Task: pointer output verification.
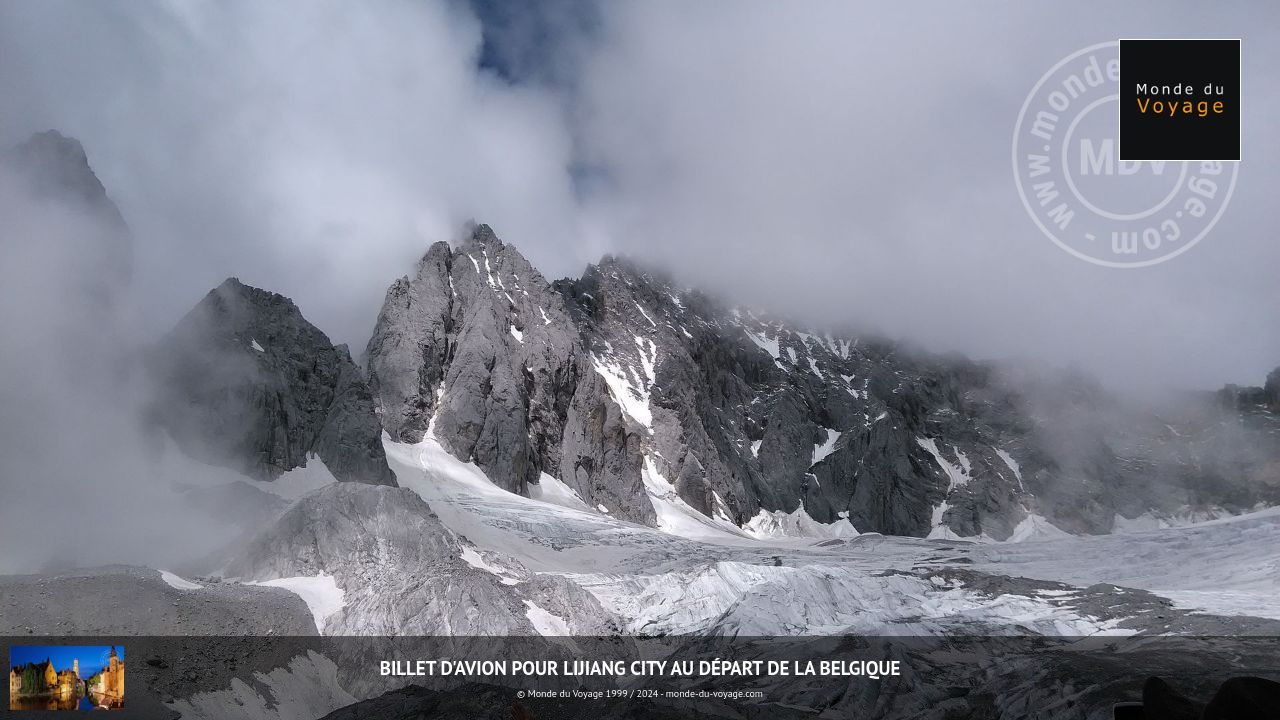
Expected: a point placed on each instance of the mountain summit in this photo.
(51, 175)
(658, 405)
(245, 381)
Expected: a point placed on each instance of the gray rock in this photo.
(403, 572)
(479, 347)
(603, 453)
(621, 370)
(244, 381)
(408, 351)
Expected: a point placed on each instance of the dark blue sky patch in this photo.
(92, 657)
(532, 42)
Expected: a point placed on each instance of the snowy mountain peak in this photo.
(642, 397)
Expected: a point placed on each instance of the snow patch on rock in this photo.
(957, 476)
(176, 582)
(321, 594)
(798, 523)
(826, 447)
(677, 517)
(646, 315)
(551, 490)
(1013, 465)
(632, 397)
(300, 480)
(547, 624)
(1036, 528)
(768, 345)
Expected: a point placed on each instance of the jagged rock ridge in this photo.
(644, 397)
(479, 348)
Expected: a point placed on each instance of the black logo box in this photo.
(1187, 67)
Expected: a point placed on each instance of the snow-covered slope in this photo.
(504, 563)
(377, 561)
(1229, 566)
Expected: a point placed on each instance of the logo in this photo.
(1180, 99)
(1107, 211)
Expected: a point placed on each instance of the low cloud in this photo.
(838, 163)
(850, 163)
(315, 149)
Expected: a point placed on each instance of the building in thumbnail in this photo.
(111, 679)
(69, 679)
(57, 679)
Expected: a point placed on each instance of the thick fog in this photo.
(840, 163)
(81, 482)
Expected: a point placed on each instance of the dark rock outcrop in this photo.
(1252, 398)
(244, 381)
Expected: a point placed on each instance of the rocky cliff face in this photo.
(478, 348)
(246, 382)
(741, 415)
(648, 399)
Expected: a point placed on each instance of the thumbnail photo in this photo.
(66, 677)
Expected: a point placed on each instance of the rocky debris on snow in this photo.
(134, 601)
